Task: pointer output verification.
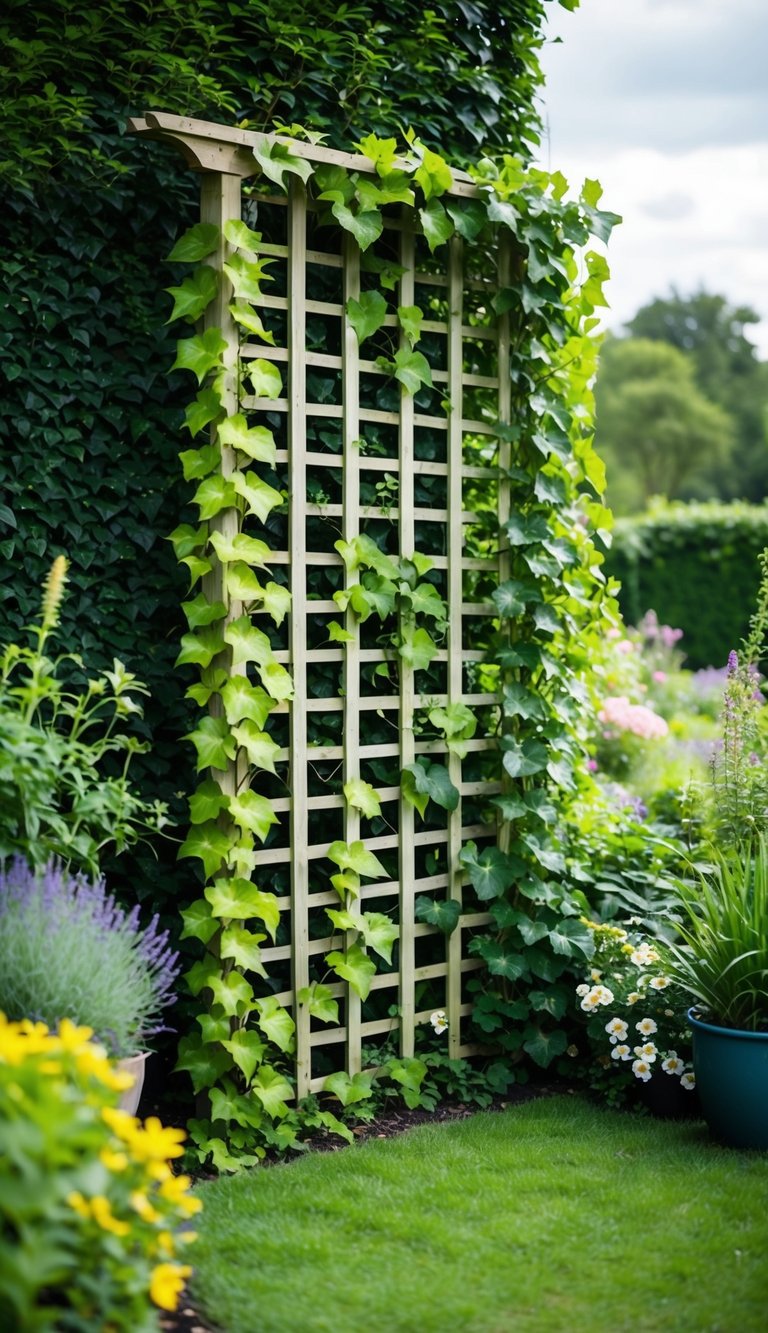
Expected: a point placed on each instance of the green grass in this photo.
(552, 1217)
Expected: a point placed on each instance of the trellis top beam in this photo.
(229, 150)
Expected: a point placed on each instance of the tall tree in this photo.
(727, 370)
(657, 432)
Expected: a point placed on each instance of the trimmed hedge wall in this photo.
(696, 566)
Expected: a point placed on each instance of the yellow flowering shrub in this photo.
(92, 1219)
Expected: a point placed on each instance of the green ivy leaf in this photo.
(242, 700)
(276, 601)
(208, 842)
(206, 407)
(433, 174)
(423, 781)
(253, 812)
(349, 1090)
(512, 597)
(248, 643)
(491, 872)
(242, 946)
(196, 244)
(246, 317)
(199, 649)
(410, 368)
(262, 751)
(202, 612)
(570, 936)
(342, 919)
(241, 547)
(277, 161)
(355, 967)
(246, 275)
(337, 633)
(213, 742)
(410, 318)
(379, 933)
(200, 354)
(272, 1089)
(232, 992)
(207, 802)
(436, 224)
(469, 216)
(363, 797)
(276, 681)
(544, 1047)
(417, 648)
(213, 495)
(239, 234)
(197, 463)
(255, 441)
(517, 701)
(365, 226)
(265, 378)
(276, 1023)
(194, 295)
(445, 915)
(260, 498)
(552, 1001)
(320, 1002)
(247, 1050)
(524, 758)
(198, 922)
(525, 529)
(241, 582)
(366, 315)
(355, 856)
(204, 1064)
(499, 958)
(237, 899)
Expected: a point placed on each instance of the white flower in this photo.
(669, 1013)
(621, 1053)
(597, 995)
(617, 1029)
(583, 989)
(439, 1021)
(673, 1064)
(643, 955)
(646, 1026)
(595, 975)
(688, 1081)
(659, 983)
(634, 997)
(647, 1052)
(642, 1070)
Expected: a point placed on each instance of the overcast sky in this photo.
(666, 103)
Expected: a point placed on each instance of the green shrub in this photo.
(89, 1207)
(696, 566)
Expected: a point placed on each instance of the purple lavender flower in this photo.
(733, 662)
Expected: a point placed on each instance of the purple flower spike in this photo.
(733, 662)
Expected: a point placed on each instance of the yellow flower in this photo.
(79, 1204)
(155, 1141)
(167, 1283)
(94, 1062)
(72, 1037)
(113, 1161)
(120, 1122)
(166, 1244)
(140, 1204)
(174, 1189)
(102, 1213)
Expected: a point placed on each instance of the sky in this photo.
(665, 102)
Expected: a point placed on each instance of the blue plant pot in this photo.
(731, 1068)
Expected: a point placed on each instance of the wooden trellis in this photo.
(225, 158)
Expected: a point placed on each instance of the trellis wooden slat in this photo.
(406, 812)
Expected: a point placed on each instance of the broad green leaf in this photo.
(194, 295)
(436, 224)
(253, 812)
(238, 899)
(553, 1001)
(248, 643)
(247, 1050)
(431, 780)
(246, 275)
(366, 315)
(197, 568)
(469, 216)
(200, 648)
(525, 529)
(512, 597)
(200, 611)
(214, 1027)
(409, 1073)
(355, 967)
(196, 244)
(276, 681)
(207, 803)
(424, 600)
(457, 723)
(213, 742)
(382, 152)
(320, 1002)
(544, 1047)
(276, 1023)
(242, 946)
(363, 797)
(412, 369)
(197, 463)
(232, 992)
(342, 919)
(337, 633)
(245, 701)
(205, 1064)
(206, 407)
(198, 976)
(349, 1089)
(531, 931)
(570, 936)
(355, 856)
(239, 234)
(346, 884)
(524, 758)
(276, 601)
(241, 547)
(545, 619)
(445, 915)
(241, 582)
(410, 318)
(208, 842)
(232, 1107)
(366, 227)
(213, 495)
(260, 498)
(265, 378)
(200, 354)
(417, 649)
(491, 872)
(276, 161)
(433, 174)
(198, 922)
(272, 1089)
(379, 933)
(255, 441)
(518, 701)
(501, 959)
(246, 317)
(262, 751)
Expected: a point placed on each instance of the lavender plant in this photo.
(67, 950)
(65, 753)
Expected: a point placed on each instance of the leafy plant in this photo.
(68, 951)
(61, 794)
(91, 1215)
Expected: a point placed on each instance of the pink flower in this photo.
(659, 677)
(625, 646)
(634, 718)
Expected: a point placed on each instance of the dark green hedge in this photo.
(696, 566)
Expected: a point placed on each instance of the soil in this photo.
(388, 1125)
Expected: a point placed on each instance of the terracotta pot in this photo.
(134, 1065)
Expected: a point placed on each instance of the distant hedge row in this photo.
(696, 566)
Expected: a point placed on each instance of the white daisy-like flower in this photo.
(643, 955)
(439, 1021)
(597, 995)
(621, 1053)
(616, 1029)
(642, 1070)
(647, 1052)
(583, 989)
(646, 1027)
(595, 975)
(659, 983)
(673, 1064)
(688, 1081)
(634, 997)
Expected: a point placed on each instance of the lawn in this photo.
(552, 1216)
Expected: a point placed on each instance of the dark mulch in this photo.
(387, 1126)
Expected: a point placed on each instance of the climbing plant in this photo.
(533, 572)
